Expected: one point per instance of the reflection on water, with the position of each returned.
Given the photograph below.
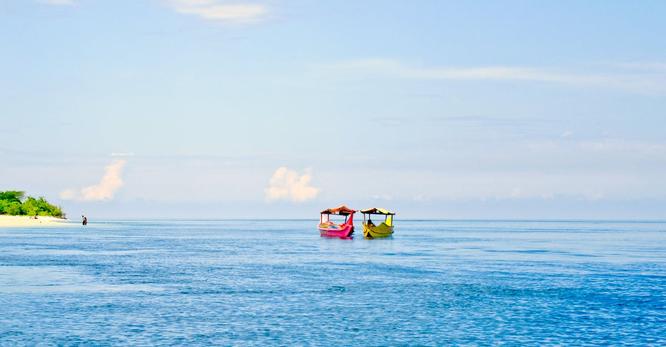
(268, 282)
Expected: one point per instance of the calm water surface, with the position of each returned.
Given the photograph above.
(279, 283)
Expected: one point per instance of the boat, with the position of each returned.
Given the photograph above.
(384, 229)
(327, 228)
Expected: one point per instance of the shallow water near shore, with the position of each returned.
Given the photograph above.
(257, 282)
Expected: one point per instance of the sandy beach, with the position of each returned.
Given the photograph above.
(25, 221)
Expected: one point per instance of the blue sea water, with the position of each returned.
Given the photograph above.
(256, 282)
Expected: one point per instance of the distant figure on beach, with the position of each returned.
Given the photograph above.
(85, 220)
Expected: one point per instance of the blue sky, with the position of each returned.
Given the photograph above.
(442, 109)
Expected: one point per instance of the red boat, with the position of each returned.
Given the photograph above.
(327, 228)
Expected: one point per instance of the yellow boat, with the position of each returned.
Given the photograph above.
(384, 229)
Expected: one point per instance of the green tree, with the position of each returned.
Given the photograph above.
(30, 206)
(12, 208)
(12, 195)
(15, 203)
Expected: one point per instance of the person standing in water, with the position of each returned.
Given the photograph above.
(85, 220)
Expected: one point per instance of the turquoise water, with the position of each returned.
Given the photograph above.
(279, 283)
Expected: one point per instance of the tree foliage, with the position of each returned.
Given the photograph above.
(16, 203)
(12, 196)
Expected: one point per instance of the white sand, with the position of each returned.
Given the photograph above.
(25, 221)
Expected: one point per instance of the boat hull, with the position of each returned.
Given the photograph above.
(344, 231)
(378, 231)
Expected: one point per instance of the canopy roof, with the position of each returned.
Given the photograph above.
(375, 210)
(341, 210)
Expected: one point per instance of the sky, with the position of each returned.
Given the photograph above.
(279, 109)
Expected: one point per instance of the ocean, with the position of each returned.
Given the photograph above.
(261, 282)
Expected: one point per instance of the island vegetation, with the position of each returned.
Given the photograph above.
(16, 203)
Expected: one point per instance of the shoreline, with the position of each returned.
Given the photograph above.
(7, 221)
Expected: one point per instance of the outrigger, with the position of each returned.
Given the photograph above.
(327, 228)
(384, 229)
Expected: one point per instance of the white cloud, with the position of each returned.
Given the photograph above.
(386, 197)
(104, 190)
(286, 184)
(647, 82)
(58, 2)
(122, 154)
(225, 12)
(643, 66)
(632, 148)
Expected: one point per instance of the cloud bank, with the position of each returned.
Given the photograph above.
(637, 78)
(289, 185)
(104, 190)
(216, 11)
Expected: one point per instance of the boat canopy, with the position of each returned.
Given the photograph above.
(341, 210)
(376, 210)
